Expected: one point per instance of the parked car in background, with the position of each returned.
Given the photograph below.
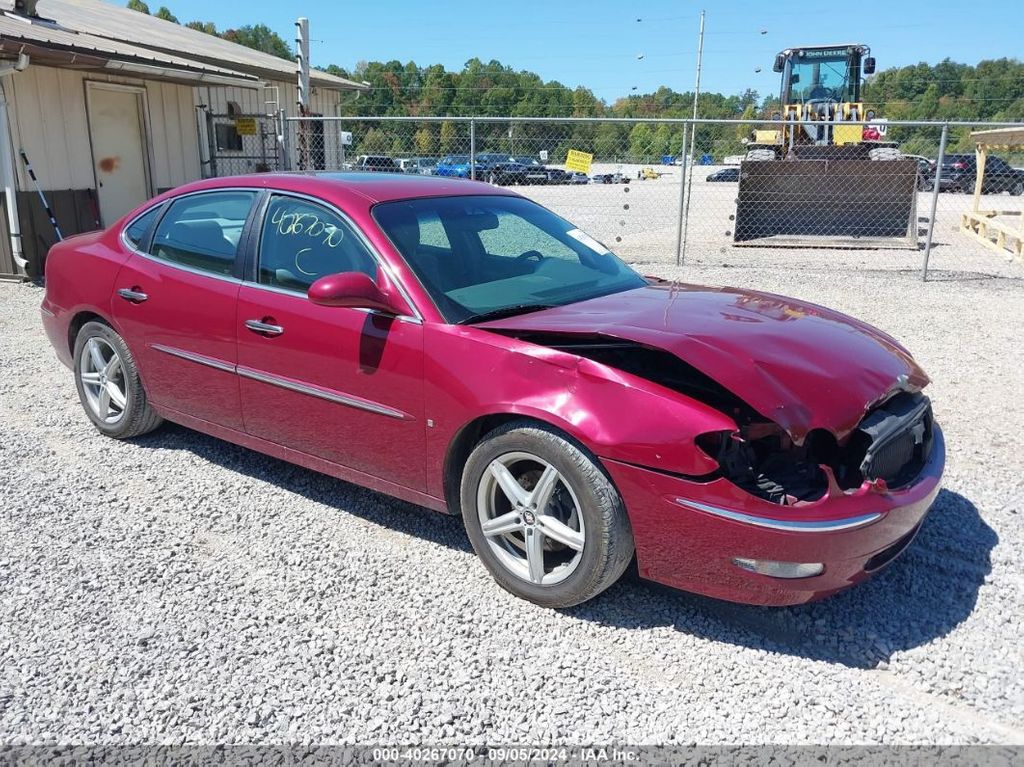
(376, 163)
(575, 177)
(453, 166)
(725, 174)
(959, 171)
(423, 166)
(609, 178)
(343, 321)
(925, 172)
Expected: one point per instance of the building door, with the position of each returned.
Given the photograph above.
(117, 128)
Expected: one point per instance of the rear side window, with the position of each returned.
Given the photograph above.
(137, 230)
(202, 231)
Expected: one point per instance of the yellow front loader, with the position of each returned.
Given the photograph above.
(820, 178)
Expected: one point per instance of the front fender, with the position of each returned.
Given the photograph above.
(472, 373)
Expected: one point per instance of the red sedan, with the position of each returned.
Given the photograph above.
(460, 347)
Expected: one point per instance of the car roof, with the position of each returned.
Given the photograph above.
(369, 188)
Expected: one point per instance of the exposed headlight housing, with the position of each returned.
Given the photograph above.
(780, 569)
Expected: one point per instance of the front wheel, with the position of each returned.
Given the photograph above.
(108, 383)
(543, 517)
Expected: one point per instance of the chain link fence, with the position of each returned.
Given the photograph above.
(728, 192)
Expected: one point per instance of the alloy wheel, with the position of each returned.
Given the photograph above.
(531, 518)
(103, 381)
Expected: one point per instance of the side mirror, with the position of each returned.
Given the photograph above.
(354, 290)
(780, 63)
(869, 65)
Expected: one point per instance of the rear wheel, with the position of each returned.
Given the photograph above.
(108, 384)
(1017, 189)
(543, 517)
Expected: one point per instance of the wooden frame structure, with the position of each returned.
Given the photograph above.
(985, 226)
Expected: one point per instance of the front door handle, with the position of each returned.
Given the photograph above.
(264, 328)
(132, 294)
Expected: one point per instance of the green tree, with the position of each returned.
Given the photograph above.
(375, 141)
(447, 137)
(164, 13)
(137, 5)
(261, 38)
(203, 26)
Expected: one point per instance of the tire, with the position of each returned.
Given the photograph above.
(121, 416)
(1017, 189)
(583, 532)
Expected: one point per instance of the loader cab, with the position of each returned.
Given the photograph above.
(823, 73)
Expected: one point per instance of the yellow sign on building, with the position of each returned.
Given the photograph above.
(578, 162)
(245, 126)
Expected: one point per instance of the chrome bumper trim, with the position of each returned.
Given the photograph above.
(786, 525)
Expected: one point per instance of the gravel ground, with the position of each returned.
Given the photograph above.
(180, 589)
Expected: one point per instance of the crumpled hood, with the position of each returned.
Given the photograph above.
(800, 365)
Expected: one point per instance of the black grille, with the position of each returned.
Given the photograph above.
(901, 439)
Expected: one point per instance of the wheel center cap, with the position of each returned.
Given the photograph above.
(529, 517)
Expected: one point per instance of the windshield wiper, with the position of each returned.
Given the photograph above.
(505, 311)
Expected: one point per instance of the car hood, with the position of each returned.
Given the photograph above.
(800, 365)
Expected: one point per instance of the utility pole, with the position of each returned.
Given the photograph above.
(302, 62)
(693, 138)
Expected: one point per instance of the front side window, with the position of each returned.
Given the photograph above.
(499, 255)
(302, 242)
(137, 230)
(202, 231)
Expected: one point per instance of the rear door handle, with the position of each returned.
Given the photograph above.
(133, 295)
(264, 328)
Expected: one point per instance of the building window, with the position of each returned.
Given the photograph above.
(227, 137)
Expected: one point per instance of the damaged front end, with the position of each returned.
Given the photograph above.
(886, 451)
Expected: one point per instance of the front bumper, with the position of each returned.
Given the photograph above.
(688, 533)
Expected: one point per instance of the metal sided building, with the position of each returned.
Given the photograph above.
(111, 107)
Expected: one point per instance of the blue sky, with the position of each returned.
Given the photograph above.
(598, 43)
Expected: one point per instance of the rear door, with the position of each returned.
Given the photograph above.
(337, 383)
(175, 303)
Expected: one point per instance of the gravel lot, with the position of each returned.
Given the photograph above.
(179, 589)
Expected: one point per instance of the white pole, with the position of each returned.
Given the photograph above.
(693, 138)
(9, 179)
(302, 60)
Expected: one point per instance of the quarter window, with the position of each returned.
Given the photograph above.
(203, 230)
(136, 231)
(302, 242)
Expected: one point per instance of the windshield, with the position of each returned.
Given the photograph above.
(820, 75)
(488, 254)
(455, 160)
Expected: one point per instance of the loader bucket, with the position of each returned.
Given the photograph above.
(845, 203)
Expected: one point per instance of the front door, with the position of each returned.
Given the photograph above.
(175, 305)
(117, 129)
(338, 383)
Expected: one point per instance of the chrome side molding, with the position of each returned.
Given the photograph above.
(200, 359)
(326, 394)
